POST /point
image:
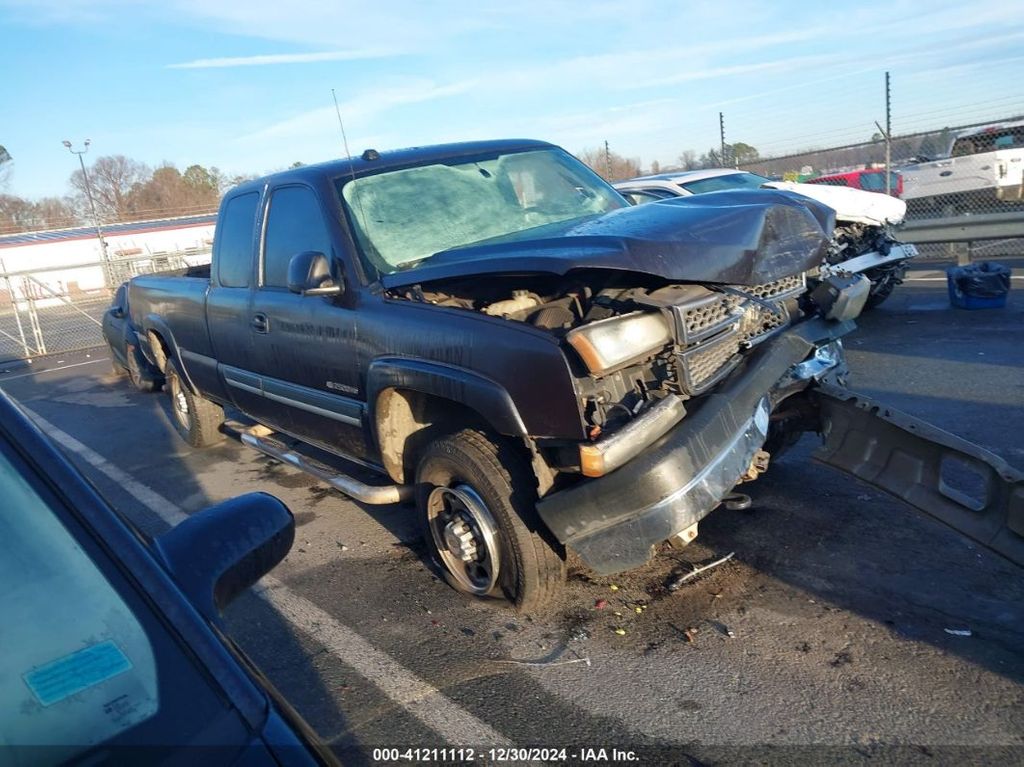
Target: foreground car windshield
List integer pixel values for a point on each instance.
(402, 217)
(731, 181)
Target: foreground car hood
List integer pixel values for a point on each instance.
(739, 238)
(854, 205)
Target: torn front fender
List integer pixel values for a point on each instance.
(965, 486)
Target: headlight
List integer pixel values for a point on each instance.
(610, 343)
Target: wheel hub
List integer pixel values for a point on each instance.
(459, 538)
(465, 537)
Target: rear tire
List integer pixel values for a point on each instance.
(476, 505)
(197, 419)
(141, 375)
(881, 288)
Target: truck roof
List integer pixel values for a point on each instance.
(373, 161)
(993, 128)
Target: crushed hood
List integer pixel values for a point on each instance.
(854, 205)
(736, 237)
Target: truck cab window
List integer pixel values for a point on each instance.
(294, 224)
(234, 242)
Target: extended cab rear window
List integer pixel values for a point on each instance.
(234, 241)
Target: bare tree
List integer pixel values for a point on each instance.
(112, 180)
(620, 167)
(20, 215)
(6, 163)
(688, 160)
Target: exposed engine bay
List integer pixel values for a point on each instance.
(637, 339)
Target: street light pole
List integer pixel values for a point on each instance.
(107, 277)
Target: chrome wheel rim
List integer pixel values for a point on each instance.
(465, 536)
(178, 401)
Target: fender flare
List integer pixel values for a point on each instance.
(153, 322)
(484, 396)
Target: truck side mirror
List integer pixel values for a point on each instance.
(309, 274)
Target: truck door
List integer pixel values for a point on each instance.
(227, 302)
(304, 346)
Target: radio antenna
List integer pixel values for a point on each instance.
(348, 154)
(344, 138)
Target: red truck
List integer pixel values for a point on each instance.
(868, 179)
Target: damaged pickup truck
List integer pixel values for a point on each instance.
(496, 333)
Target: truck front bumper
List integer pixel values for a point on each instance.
(613, 522)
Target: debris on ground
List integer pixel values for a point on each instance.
(621, 632)
(959, 632)
(600, 604)
(690, 633)
(342, 546)
(722, 629)
(613, 587)
(543, 664)
(680, 580)
(579, 634)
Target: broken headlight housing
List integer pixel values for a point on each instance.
(608, 344)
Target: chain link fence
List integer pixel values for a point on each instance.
(964, 186)
(45, 311)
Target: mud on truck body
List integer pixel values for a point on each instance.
(497, 334)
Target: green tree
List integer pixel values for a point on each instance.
(742, 153)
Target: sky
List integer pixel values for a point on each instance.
(246, 86)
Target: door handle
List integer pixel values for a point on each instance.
(260, 323)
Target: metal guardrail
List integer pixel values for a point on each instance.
(967, 228)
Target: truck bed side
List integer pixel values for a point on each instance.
(160, 304)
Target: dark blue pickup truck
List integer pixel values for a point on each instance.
(493, 330)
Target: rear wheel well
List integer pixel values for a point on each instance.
(159, 349)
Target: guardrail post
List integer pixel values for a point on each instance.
(17, 315)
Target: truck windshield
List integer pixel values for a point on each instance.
(402, 217)
(726, 181)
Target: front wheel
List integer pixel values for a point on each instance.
(197, 419)
(476, 503)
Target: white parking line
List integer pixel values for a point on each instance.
(53, 370)
(423, 701)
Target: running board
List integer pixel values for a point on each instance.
(959, 483)
(376, 495)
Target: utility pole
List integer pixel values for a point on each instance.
(607, 161)
(721, 135)
(888, 136)
(107, 276)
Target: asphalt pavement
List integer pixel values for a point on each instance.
(827, 637)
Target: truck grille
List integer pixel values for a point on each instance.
(713, 327)
(705, 364)
(706, 317)
(787, 287)
(759, 323)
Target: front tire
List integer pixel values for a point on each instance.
(197, 419)
(476, 503)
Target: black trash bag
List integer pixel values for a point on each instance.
(985, 280)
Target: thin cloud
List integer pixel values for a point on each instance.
(281, 58)
(360, 110)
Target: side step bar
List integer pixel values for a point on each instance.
(258, 438)
(965, 486)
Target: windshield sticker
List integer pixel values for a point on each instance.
(88, 667)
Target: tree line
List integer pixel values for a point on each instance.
(122, 190)
(612, 166)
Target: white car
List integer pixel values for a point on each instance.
(863, 242)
